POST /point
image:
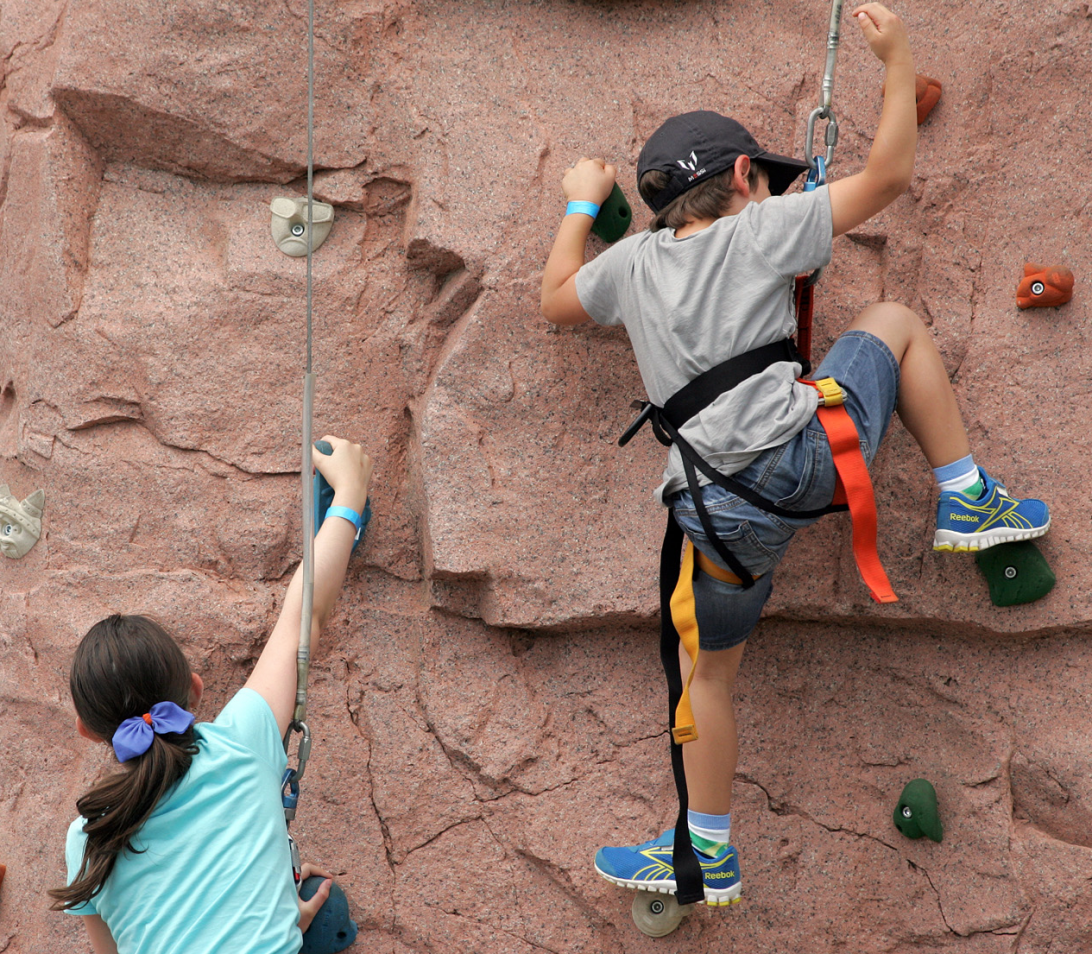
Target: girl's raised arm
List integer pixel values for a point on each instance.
(349, 471)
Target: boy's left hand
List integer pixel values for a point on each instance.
(590, 180)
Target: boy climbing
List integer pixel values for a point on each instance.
(708, 291)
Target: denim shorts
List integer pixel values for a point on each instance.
(797, 475)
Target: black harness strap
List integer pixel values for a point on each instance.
(689, 881)
(694, 397)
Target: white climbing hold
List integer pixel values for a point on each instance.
(289, 224)
(20, 522)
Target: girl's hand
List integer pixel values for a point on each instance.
(590, 180)
(884, 32)
(309, 908)
(349, 471)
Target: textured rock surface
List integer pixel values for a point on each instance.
(487, 708)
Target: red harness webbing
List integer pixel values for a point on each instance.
(854, 487)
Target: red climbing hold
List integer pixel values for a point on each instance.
(1044, 286)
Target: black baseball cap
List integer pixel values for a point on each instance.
(692, 147)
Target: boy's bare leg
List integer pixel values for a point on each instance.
(710, 760)
(927, 404)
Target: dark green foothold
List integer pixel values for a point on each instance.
(917, 813)
(1016, 573)
(614, 216)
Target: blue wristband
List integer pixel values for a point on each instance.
(346, 514)
(586, 208)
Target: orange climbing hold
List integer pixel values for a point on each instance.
(1044, 286)
(927, 90)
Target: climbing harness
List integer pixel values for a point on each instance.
(290, 784)
(678, 621)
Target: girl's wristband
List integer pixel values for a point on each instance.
(346, 513)
(585, 208)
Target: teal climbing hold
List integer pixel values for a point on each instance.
(1016, 573)
(324, 498)
(614, 216)
(917, 812)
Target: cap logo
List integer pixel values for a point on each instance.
(691, 166)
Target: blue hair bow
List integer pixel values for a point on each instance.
(134, 736)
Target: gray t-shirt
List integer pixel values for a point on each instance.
(691, 303)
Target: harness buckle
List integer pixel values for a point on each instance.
(646, 408)
(830, 393)
(684, 733)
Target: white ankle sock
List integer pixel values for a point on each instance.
(710, 834)
(959, 477)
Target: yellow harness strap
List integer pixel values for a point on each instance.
(685, 618)
(686, 624)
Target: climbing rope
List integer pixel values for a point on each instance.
(290, 786)
(817, 173)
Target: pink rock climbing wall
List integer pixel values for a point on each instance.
(488, 708)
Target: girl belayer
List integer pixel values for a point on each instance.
(185, 849)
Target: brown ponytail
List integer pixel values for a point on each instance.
(123, 667)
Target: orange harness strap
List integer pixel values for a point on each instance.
(854, 486)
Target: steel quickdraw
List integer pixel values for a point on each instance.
(826, 95)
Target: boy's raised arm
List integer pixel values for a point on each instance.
(890, 165)
(590, 180)
(349, 471)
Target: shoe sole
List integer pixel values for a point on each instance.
(948, 541)
(714, 897)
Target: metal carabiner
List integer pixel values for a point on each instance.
(290, 784)
(290, 794)
(830, 137)
(303, 753)
(817, 175)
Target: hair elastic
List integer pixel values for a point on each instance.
(134, 736)
(585, 208)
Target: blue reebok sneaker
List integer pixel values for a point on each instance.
(965, 525)
(648, 867)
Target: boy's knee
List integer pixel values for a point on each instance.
(893, 323)
(892, 312)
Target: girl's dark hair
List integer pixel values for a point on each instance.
(709, 200)
(123, 667)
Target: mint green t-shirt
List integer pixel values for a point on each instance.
(217, 873)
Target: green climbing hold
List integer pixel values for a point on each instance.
(614, 216)
(917, 813)
(1016, 573)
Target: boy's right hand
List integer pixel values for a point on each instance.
(590, 180)
(348, 470)
(884, 31)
